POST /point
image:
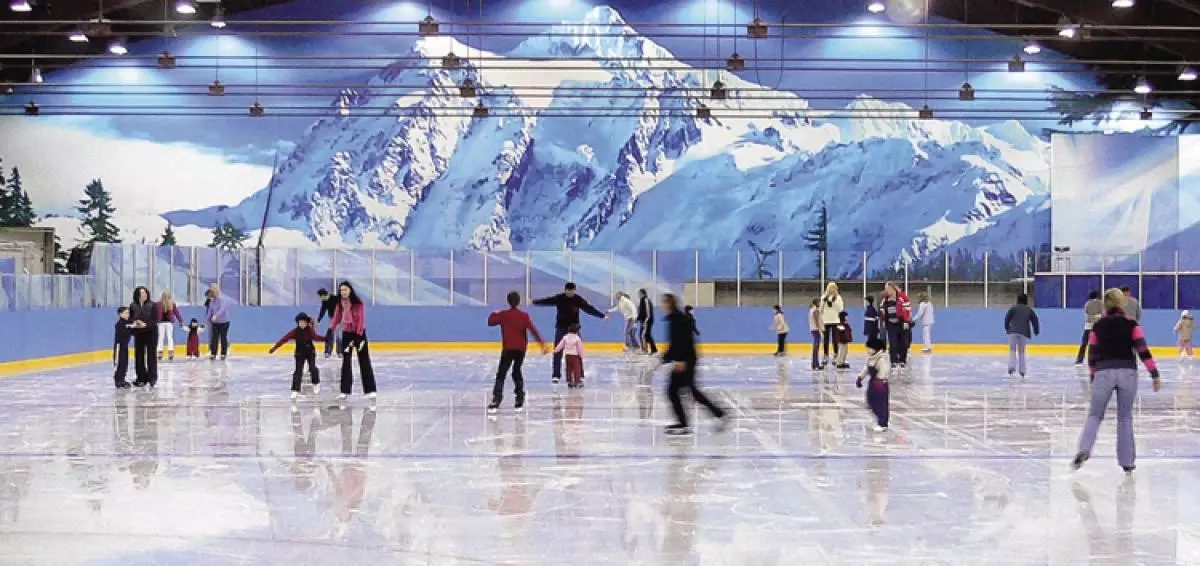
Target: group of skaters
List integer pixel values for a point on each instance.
(150, 326)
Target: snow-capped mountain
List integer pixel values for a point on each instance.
(589, 151)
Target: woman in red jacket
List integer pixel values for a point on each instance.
(350, 318)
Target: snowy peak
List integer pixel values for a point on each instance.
(602, 33)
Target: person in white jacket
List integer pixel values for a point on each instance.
(924, 318)
(831, 306)
(780, 327)
(629, 311)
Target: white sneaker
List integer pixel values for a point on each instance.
(316, 390)
(371, 395)
(295, 394)
(880, 428)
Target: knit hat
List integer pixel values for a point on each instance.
(304, 317)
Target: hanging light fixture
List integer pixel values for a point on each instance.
(925, 113)
(117, 47)
(35, 76)
(166, 60)
(480, 111)
(77, 35)
(1187, 74)
(1032, 48)
(735, 63)
(1122, 4)
(703, 112)
(20, 6)
(257, 110)
(428, 26)
(218, 19)
(216, 88)
(876, 6)
(718, 91)
(32, 109)
(756, 29)
(1067, 29)
(1016, 65)
(466, 88)
(1147, 113)
(1143, 86)
(185, 7)
(451, 61)
(966, 92)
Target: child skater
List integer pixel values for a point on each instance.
(193, 339)
(306, 353)
(515, 328)
(924, 317)
(121, 336)
(1184, 329)
(571, 346)
(780, 327)
(870, 320)
(877, 387)
(814, 328)
(844, 336)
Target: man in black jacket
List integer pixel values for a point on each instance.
(681, 354)
(646, 322)
(568, 304)
(329, 304)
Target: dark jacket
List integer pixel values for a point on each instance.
(304, 338)
(147, 312)
(680, 332)
(122, 334)
(1020, 319)
(871, 321)
(1115, 341)
(695, 329)
(568, 309)
(328, 306)
(645, 311)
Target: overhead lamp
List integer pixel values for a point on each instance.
(185, 7)
(117, 47)
(343, 110)
(216, 89)
(756, 29)
(480, 111)
(77, 35)
(718, 91)
(218, 19)
(735, 63)
(20, 6)
(876, 6)
(1147, 113)
(1016, 65)
(966, 92)
(451, 61)
(1032, 48)
(466, 88)
(257, 110)
(35, 76)
(1143, 86)
(427, 26)
(166, 60)
(32, 109)
(703, 112)
(925, 113)
(1067, 29)
(1187, 74)
(1122, 3)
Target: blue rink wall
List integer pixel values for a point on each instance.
(41, 334)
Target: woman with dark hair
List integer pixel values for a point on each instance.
(144, 316)
(1093, 309)
(645, 318)
(681, 353)
(350, 318)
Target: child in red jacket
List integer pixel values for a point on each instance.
(306, 352)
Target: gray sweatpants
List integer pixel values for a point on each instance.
(1016, 353)
(1123, 382)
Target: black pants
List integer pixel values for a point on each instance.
(830, 330)
(220, 335)
(648, 336)
(121, 359)
(781, 347)
(897, 347)
(351, 343)
(309, 357)
(816, 351)
(686, 379)
(513, 359)
(145, 355)
(877, 399)
(1083, 345)
(330, 342)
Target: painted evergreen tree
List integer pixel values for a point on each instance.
(96, 211)
(5, 199)
(60, 256)
(21, 214)
(228, 237)
(168, 237)
(817, 238)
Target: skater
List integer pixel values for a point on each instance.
(877, 387)
(217, 316)
(780, 327)
(1018, 322)
(814, 328)
(629, 311)
(1133, 307)
(571, 346)
(306, 353)
(351, 320)
(646, 323)
(1115, 338)
(144, 314)
(843, 336)
(1093, 309)
(166, 326)
(895, 320)
(121, 335)
(924, 318)
(194, 329)
(1184, 330)
(568, 305)
(690, 311)
(870, 320)
(332, 336)
(832, 305)
(515, 328)
(904, 309)
(681, 354)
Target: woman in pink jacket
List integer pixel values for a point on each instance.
(350, 319)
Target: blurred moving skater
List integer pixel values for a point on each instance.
(681, 354)
(568, 304)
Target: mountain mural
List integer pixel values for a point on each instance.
(602, 155)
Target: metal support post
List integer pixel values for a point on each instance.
(1176, 279)
(412, 277)
(906, 276)
(612, 278)
(654, 273)
(1025, 272)
(780, 297)
(821, 275)
(985, 280)
(1103, 273)
(570, 265)
(452, 277)
(485, 278)
(738, 276)
(374, 288)
(528, 275)
(864, 276)
(333, 265)
(1140, 296)
(296, 263)
(946, 266)
(696, 278)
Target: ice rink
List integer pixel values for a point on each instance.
(217, 467)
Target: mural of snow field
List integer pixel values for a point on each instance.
(975, 464)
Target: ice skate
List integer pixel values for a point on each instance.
(678, 430)
(493, 407)
(295, 395)
(372, 395)
(1080, 458)
(317, 389)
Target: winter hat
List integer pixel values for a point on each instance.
(1186, 314)
(875, 344)
(304, 317)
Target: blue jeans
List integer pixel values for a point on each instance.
(631, 334)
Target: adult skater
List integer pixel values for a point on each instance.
(217, 315)
(1021, 324)
(646, 322)
(515, 328)
(1114, 339)
(629, 311)
(168, 317)
(1093, 309)
(894, 319)
(832, 305)
(681, 354)
(1133, 307)
(925, 319)
(329, 303)
(144, 317)
(903, 311)
(350, 319)
(568, 304)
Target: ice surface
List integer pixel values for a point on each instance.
(216, 468)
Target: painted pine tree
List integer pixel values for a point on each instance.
(817, 238)
(96, 212)
(21, 212)
(228, 237)
(168, 237)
